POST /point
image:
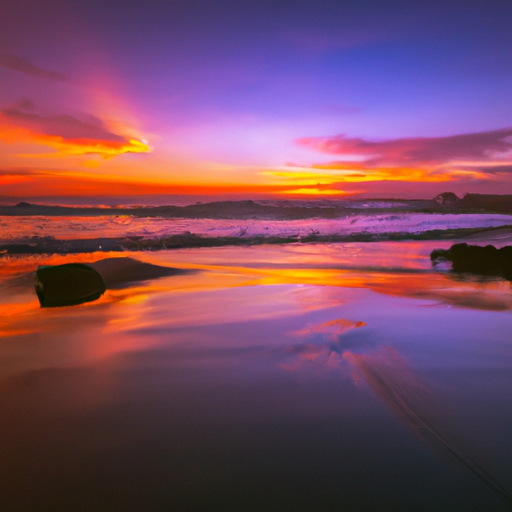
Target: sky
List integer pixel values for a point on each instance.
(317, 99)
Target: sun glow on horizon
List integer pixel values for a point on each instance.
(319, 192)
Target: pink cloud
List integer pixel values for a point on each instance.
(418, 151)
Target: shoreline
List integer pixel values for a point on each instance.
(51, 245)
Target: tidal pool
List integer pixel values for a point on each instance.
(343, 377)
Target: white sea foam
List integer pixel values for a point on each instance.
(25, 227)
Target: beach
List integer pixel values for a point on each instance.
(299, 376)
(255, 256)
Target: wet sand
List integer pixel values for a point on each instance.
(301, 377)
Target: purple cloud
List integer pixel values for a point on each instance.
(496, 169)
(28, 68)
(65, 126)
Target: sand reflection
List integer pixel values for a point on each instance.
(399, 269)
(395, 383)
(235, 323)
(271, 282)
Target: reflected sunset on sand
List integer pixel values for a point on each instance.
(227, 338)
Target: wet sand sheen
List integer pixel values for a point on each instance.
(257, 382)
(412, 402)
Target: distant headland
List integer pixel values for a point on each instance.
(446, 202)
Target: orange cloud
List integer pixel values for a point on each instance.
(325, 179)
(67, 134)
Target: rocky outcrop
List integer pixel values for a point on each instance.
(446, 199)
(486, 260)
(488, 202)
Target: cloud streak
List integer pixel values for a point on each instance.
(28, 68)
(465, 158)
(419, 151)
(67, 134)
(65, 126)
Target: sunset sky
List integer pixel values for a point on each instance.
(255, 99)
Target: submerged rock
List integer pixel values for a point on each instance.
(476, 259)
(68, 285)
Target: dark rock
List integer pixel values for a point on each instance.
(446, 198)
(68, 285)
(476, 259)
(488, 202)
(23, 204)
